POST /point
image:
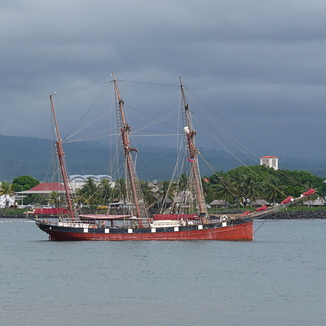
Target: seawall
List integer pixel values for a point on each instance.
(285, 215)
(293, 215)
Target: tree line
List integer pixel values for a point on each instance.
(260, 182)
(238, 186)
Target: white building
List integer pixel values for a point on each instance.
(270, 161)
(76, 181)
(7, 201)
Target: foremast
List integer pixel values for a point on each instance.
(63, 170)
(190, 135)
(139, 205)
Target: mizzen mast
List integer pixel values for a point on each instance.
(61, 154)
(125, 129)
(190, 134)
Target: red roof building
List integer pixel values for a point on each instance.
(45, 188)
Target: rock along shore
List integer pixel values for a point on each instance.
(285, 215)
(295, 215)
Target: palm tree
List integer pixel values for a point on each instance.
(54, 199)
(147, 190)
(120, 190)
(251, 186)
(166, 192)
(105, 191)
(183, 182)
(5, 190)
(271, 188)
(224, 190)
(238, 182)
(89, 192)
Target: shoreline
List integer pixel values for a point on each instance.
(285, 215)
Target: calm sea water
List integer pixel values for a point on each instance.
(279, 279)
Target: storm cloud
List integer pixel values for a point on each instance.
(259, 64)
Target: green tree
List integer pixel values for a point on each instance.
(147, 190)
(182, 183)
(224, 189)
(54, 199)
(272, 189)
(24, 182)
(165, 194)
(251, 187)
(263, 182)
(120, 190)
(105, 192)
(88, 192)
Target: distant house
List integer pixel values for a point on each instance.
(184, 197)
(259, 202)
(319, 202)
(77, 181)
(270, 161)
(45, 188)
(219, 203)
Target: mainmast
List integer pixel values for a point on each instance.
(62, 165)
(190, 134)
(125, 129)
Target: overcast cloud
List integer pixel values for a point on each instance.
(259, 64)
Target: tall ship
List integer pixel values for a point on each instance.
(138, 223)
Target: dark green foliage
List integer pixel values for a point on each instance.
(147, 190)
(89, 193)
(24, 182)
(261, 182)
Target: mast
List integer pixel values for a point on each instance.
(62, 165)
(125, 129)
(190, 134)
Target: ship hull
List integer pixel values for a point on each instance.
(241, 231)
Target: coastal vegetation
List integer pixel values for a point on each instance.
(24, 182)
(6, 191)
(238, 187)
(260, 182)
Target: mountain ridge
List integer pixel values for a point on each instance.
(31, 156)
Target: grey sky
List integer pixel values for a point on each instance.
(259, 64)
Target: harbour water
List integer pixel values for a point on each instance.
(278, 279)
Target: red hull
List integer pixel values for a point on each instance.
(240, 232)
